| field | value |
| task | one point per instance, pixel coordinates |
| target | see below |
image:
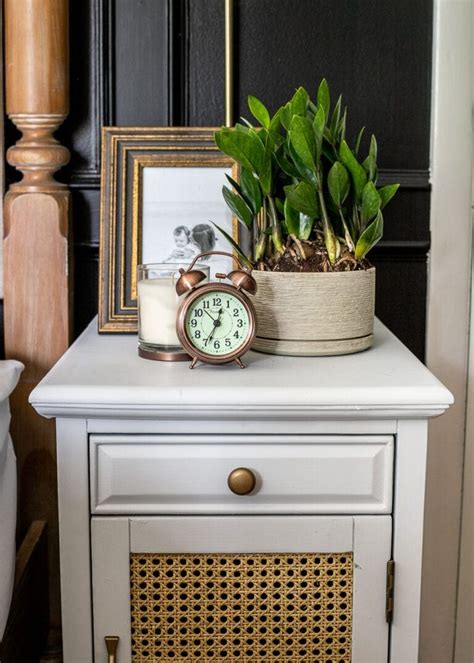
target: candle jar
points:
(158, 304)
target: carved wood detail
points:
(37, 249)
(37, 155)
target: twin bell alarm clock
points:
(216, 322)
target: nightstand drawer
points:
(191, 474)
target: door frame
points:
(447, 317)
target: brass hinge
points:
(389, 591)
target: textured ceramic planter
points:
(314, 314)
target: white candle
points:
(158, 304)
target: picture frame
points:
(161, 188)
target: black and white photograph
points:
(162, 202)
(179, 209)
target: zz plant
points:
(307, 198)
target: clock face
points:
(217, 323)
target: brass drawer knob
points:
(241, 481)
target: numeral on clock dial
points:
(217, 323)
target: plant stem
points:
(276, 226)
(347, 234)
(322, 203)
(259, 236)
(260, 247)
(356, 223)
(332, 244)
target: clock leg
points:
(239, 362)
(193, 363)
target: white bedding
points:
(9, 374)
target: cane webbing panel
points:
(242, 607)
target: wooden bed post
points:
(37, 266)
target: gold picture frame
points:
(126, 153)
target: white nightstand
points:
(157, 550)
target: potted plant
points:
(313, 211)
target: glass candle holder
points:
(158, 304)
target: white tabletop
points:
(102, 376)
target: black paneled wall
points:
(161, 62)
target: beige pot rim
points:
(351, 273)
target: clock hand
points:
(206, 311)
(217, 323)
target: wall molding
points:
(101, 21)
(388, 251)
(409, 179)
(178, 58)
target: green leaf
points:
(234, 245)
(302, 197)
(280, 205)
(359, 177)
(241, 127)
(369, 238)
(303, 141)
(370, 203)
(370, 162)
(318, 128)
(275, 122)
(357, 141)
(338, 183)
(266, 172)
(336, 114)
(306, 226)
(285, 164)
(250, 190)
(292, 218)
(341, 129)
(324, 98)
(244, 147)
(238, 206)
(248, 125)
(297, 223)
(386, 194)
(259, 111)
(373, 149)
(299, 102)
(218, 139)
(275, 138)
(372, 159)
(234, 184)
(370, 169)
(286, 114)
(304, 173)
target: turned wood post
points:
(37, 265)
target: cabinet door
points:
(241, 588)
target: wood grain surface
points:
(37, 251)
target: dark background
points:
(161, 62)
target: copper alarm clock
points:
(216, 322)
